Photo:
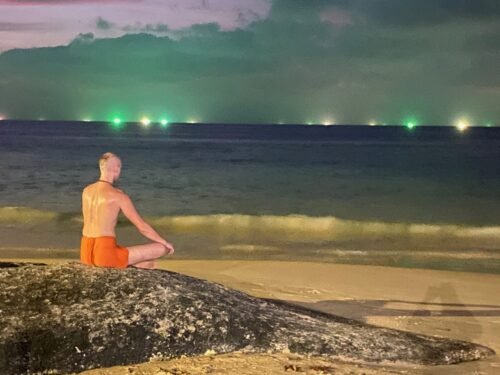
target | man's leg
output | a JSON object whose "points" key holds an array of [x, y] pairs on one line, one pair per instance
{"points": [[143, 256], [148, 265]]}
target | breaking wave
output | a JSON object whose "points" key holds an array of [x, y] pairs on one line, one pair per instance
{"points": [[290, 227]]}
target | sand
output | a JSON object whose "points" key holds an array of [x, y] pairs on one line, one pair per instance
{"points": [[457, 305]]}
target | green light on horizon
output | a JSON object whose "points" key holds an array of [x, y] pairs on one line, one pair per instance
{"points": [[163, 122], [117, 121], [410, 125]]}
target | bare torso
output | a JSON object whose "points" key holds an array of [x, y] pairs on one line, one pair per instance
{"points": [[100, 207]]}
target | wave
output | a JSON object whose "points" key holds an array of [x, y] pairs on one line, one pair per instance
{"points": [[296, 228], [19, 215], [251, 248], [420, 254], [330, 228]]}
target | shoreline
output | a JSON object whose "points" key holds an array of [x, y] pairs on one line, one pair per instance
{"points": [[458, 305], [25, 254]]}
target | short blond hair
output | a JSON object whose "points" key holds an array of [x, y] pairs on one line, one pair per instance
{"points": [[104, 159]]}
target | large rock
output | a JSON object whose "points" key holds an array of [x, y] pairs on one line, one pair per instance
{"points": [[72, 317]]}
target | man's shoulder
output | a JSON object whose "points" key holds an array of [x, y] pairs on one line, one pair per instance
{"points": [[120, 195], [87, 188]]}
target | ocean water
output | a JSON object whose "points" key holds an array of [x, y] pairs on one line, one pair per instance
{"points": [[427, 197]]}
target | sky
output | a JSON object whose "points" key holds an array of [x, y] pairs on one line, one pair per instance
{"points": [[251, 61]]}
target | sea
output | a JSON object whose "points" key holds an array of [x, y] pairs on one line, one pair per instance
{"points": [[427, 197]]}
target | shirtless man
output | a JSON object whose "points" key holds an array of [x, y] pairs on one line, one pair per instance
{"points": [[101, 204]]}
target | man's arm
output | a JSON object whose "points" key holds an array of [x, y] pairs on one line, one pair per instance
{"points": [[144, 228], [84, 193]]}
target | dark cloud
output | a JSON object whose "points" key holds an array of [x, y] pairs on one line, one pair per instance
{"points": [[85, 38], [247, 17], [103, 24], [307, 60], [418, 13]]}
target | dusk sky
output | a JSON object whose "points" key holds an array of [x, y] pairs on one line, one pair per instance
{"points": [[251, 61]]}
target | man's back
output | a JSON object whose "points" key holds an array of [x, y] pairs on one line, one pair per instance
{"points": [[100, 207]]}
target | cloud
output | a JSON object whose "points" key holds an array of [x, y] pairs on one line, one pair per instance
{"points": [[148, 28], [302, 61], [337, 17], [419, 13], [23, 26], [84, 38], [103, 24], [116, 18], [62, 2]]}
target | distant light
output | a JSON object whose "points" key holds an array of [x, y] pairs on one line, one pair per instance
{"points": [[87, 120], [462, 125], [145, 121], [164, 122], [410, 125], [328, 122], [489, 125], [372, 123], [2, 118], [117, 121], [309, 123]]}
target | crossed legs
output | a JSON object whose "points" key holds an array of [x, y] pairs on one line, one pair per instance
{"points": [[144, 256]]}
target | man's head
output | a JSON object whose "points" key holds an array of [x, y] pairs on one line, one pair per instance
{"points": [[110, 166]]}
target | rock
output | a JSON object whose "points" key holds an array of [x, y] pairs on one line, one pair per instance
{"points": [[71, 317]]}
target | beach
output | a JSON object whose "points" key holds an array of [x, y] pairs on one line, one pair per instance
{"points": [[464, 306]]}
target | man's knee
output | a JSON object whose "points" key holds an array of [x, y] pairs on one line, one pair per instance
{"points": [[163, 249]]}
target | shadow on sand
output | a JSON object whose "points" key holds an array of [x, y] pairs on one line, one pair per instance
{"points": [[439, 303]]}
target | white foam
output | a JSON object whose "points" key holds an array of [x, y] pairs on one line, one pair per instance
{"points": [[327, 228], [289, 227]]}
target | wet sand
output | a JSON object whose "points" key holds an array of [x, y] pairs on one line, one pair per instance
{"points": [[457, 305]]}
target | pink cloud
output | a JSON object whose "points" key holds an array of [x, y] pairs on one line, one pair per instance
{"points": [[32, 26], [42, 23], [62, 2], [337, 17]]}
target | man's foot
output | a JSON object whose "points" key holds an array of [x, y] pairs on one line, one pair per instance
{"points": [[149, 265]]}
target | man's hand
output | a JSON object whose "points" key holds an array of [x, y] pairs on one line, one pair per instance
{"points": [[169, 247]]}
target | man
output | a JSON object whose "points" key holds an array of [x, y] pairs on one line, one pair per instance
{"points": [[101, 204]]}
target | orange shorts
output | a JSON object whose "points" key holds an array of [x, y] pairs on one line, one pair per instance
{"points": [[103, 252]]}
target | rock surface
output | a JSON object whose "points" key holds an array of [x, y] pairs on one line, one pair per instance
{"points": [[70, 318]]}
